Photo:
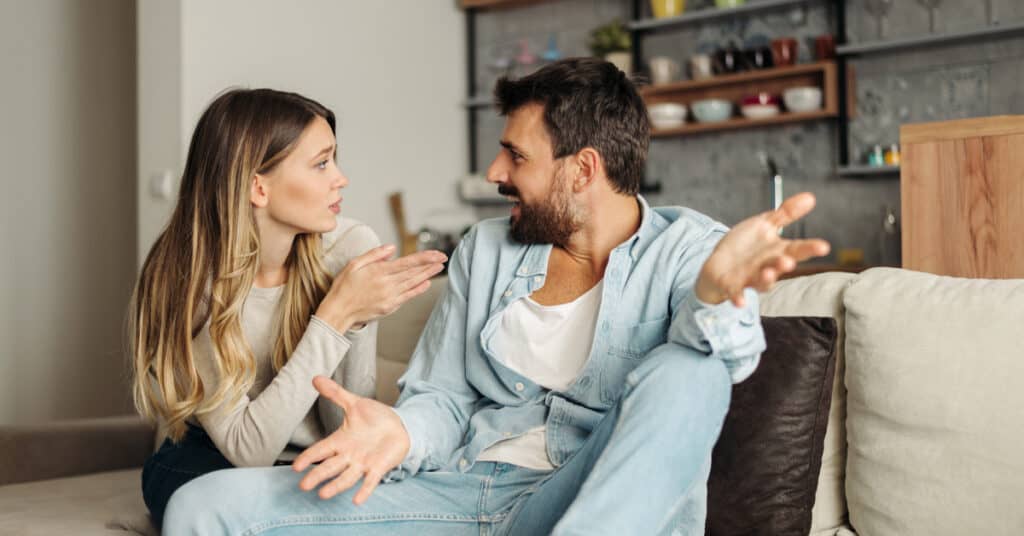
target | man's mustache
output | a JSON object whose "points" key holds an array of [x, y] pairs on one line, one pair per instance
{"points": [[505, 189]]}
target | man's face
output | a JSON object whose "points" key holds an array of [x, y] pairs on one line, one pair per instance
{"points": [[543, 210]]}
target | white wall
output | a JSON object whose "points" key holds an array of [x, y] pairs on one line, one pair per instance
{"points": [[393, 72], [69, 216]]}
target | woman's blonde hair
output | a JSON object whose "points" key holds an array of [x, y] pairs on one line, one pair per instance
{"points": [[203, 264]]}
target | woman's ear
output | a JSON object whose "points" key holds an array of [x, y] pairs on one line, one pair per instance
{"points": [[258, 193]]}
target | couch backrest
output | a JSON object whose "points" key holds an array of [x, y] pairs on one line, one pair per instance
{"points": [[397, 336]]}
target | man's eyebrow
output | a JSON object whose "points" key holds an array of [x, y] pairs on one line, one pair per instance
{"points": [[511, 147]]}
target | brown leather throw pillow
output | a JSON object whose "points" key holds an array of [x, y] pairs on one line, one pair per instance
{"points": [[764, 468]]}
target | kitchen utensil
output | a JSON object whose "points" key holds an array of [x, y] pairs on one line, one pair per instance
{"points": [[802, 99], [728, 60], [759, 57], [663, 70], [824, 47], [784, 51], [701, 66], [667, 115], [931, 5], [711, 110], [759, 106]]}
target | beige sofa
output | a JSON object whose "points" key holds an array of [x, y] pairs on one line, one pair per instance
{"points": [[926, 434]]}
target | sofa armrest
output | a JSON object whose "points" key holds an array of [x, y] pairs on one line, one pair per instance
{"points": [[61, 449]]}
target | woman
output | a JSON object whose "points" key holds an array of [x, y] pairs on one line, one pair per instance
{"points": [[236, 311]]}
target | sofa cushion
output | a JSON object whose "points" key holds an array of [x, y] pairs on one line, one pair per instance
{"points": [[102, 503], [822, 295], [935, 414], [764, 468]]}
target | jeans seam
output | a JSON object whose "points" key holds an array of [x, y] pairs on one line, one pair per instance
{"points": [[347, 520]]}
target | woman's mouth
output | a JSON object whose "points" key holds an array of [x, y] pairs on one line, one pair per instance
{"points": [[336, 207]]}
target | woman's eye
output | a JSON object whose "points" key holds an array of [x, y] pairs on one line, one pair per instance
{"points": [[322, 165]]}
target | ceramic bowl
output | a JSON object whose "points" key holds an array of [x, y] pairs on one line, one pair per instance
{"points": [[763, 99], [759, 111], [711, 110], [802, 99], [729, 3], [667, 115]]}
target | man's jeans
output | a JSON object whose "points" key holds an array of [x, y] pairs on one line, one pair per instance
{"points": [[643, 470]]}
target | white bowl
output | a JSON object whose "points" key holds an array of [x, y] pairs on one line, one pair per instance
{"points": [[712, 110], [667, 111], [802, 99], [665, 124], [759, 111]]}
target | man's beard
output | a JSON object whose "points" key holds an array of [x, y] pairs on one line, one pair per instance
{"points": [[552, 221]]}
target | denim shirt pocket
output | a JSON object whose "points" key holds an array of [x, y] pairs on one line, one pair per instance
{"points": [[627, 346]]}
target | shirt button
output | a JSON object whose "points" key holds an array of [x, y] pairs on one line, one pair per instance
{"points": [[508, 293], [463, 463], [538, 279], [520, 386], [523, 270], [507, 434]]}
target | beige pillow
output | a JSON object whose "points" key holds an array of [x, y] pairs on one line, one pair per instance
{"points": [[821, 295], [935, 404]]}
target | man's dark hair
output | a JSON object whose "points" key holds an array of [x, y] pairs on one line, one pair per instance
{"points": [[588, 102]]}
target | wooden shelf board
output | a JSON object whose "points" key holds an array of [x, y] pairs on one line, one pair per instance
{"points": [[864, 171], [738, 79], [743, 122]]}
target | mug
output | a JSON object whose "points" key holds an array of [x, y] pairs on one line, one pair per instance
{"points": [[758, 58], [701, 67], [663, 70], [729, 60], [784, 51], [824, 47]]}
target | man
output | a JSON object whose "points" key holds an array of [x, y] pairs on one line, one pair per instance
{"points": [[576, 374]]}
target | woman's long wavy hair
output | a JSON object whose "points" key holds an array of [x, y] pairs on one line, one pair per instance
{"points": [[203, 264]]}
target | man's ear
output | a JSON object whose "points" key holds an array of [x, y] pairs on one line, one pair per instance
{"points": [[258, 191], [588, 168]]}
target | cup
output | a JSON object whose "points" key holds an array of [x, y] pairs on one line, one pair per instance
{"points": [[784, 51], [701, 67], [824, 47], [667, 8], [758, 58], [663, 70], [728, 60]]}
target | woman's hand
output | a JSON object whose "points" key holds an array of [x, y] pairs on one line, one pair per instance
{"points": [[371, 441], [371, 286], [753, 254]]}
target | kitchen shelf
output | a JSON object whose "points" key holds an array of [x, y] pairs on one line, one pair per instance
{"points": [[736, 86], [867, 171], [496, 4], [873, 47], [702, 15], [743, 122]]}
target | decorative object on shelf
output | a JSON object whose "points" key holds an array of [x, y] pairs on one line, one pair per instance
{"points": [[784, 51], [726, 4], [525, 60], [932, 6], [667, 8], [552, 53], [876, 157], [759, 106], [880, 10], [802, 99], [701, 66], [612, 42], [728, 60], [711, 110], [824, 47], [892, 155], [758, 57], [663, 70], [667, 115]]}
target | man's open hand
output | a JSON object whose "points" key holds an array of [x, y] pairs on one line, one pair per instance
{"points": [[371, 441], [753, 254]]}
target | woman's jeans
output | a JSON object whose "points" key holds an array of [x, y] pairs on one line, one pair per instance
{"points": [[174, 465], [643, 470]]}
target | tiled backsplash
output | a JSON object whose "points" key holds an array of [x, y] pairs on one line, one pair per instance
{"points": [[720, 174]]}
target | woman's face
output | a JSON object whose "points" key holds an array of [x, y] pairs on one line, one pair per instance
{"points": [[302, 193]]}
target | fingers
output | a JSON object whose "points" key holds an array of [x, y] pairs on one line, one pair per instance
{"points": [[339, 485], [370, 483], [792, 209], [321, 450], [415, 260], [802, 250], [376, 254], [334, 392], [328, 469]]}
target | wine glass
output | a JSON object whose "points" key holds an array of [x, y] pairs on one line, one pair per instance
{"points": [[879, 9], [931, 5]]}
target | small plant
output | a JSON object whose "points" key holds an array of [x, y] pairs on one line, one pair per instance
{"points": [[611, 37]]}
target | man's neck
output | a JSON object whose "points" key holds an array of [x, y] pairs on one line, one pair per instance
{"points": [[609, 224]]}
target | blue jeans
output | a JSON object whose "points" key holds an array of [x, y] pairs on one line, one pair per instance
{"points": [[643, 470], [174, 465]]}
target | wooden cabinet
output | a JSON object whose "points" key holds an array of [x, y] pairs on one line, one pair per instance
{"points": [[963, 197]]}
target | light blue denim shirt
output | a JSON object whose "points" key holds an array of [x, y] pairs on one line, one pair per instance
{"points": [[458, 399]]}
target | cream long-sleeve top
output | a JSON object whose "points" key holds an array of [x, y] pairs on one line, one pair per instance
{"points": [[282, 413]]}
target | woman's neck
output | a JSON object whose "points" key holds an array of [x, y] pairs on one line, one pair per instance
{"points": [[275, 246]]}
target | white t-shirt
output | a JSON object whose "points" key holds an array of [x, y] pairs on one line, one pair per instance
{"points": [[549, 345]]}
